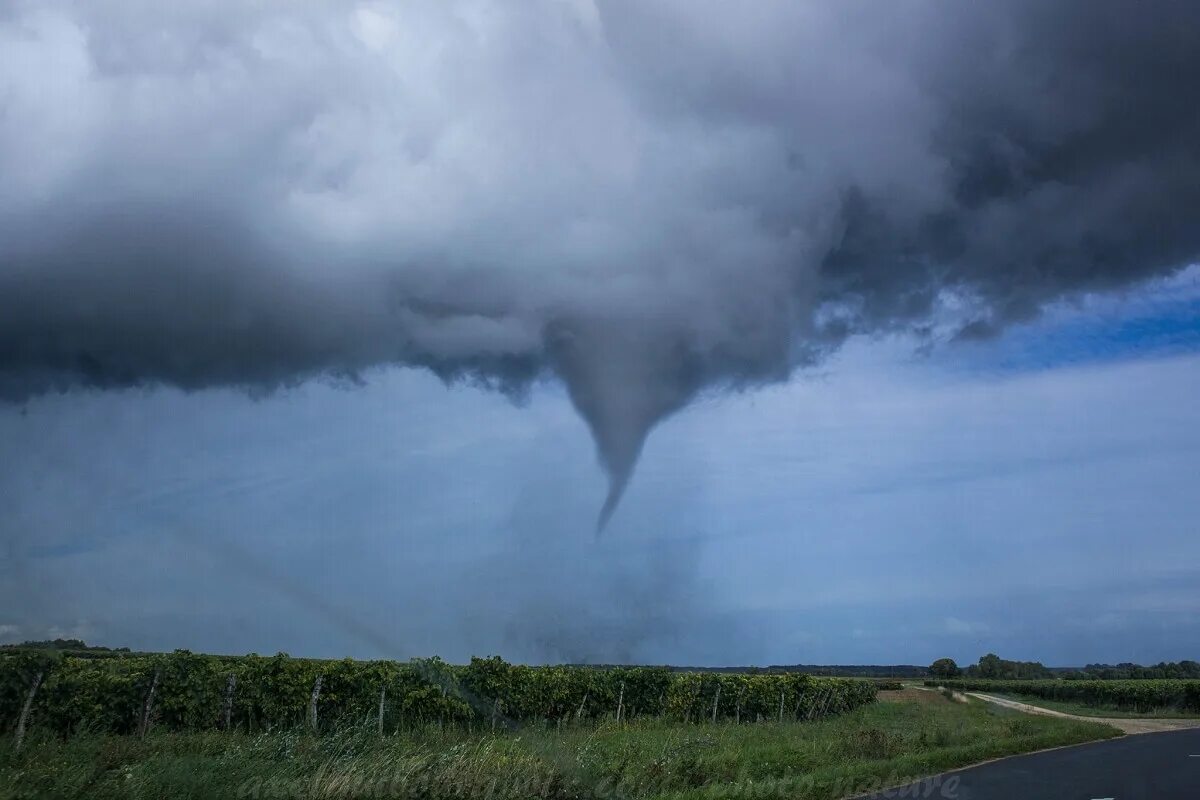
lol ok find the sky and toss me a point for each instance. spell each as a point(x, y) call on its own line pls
point(595, 330)
point(892, 507)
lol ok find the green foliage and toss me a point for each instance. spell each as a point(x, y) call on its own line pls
point(944, 668)
point(17, 673)
point(993, 667)
point(1163, 669)
point(1131, 695)
point(273, 693)
point(872, 747)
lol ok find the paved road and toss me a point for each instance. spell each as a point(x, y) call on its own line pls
point(1152, 766)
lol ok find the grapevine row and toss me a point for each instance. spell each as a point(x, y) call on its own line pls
point(1130, 695)
point(186, 691)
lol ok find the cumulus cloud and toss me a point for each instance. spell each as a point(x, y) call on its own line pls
point(644, 200)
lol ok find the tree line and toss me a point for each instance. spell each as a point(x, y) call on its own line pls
point(992, 667)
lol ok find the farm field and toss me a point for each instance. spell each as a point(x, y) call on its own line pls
point(1103, 698)
point(903, 735)
point(1084, 710)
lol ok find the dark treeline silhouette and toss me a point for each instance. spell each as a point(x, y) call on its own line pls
point(989, 666)
point(992, 667)
point(74, 647)
point(1163, 669)
point(823, 670)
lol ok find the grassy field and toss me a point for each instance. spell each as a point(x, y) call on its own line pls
point(905, 735)
point(1084, 710)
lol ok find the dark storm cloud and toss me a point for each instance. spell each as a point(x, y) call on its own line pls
point(643, 199)
point(1071, 152)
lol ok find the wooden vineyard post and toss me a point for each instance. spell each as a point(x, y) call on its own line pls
point(312, 702)
point(495, 713)
point(812, 711)
point(227, 708)
point(716, 700)
point(737, 716)
point(582, 705)
point(442, 712)
point(621, 703)
point(781, 705)
point(148, 706)
point(37, 682)
point(382, 700)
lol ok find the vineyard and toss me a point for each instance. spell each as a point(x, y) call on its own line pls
point(183, 691)
point(1127, 695)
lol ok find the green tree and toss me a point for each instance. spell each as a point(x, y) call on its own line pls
point(944, 668)
point(991, 666)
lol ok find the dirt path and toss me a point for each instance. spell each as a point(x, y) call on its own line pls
point(1126, 724)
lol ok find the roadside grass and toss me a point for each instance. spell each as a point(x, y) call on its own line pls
point(892, 741)
point(1084, 710)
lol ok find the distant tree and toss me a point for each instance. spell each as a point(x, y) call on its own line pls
point(993, 666)
point(944, 668)
point(990, 666)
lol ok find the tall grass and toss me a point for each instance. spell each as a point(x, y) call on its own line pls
point(874, 745)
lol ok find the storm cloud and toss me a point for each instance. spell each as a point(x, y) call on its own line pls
point(643, 200)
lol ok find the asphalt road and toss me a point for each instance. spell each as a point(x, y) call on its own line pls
point(1149, 766)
